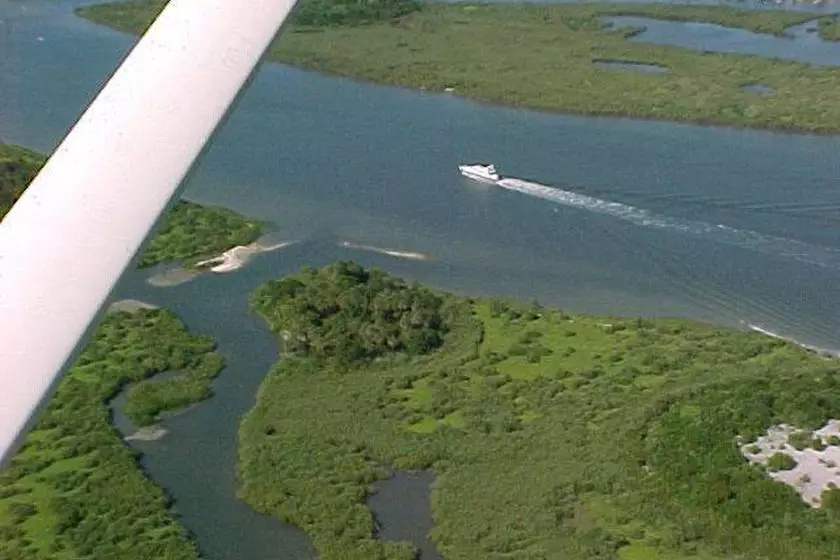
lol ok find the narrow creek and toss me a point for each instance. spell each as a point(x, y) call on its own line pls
point(397, 187)
point(195, 459)
point(800, 43)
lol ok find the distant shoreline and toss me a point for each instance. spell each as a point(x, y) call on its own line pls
point(439, 48)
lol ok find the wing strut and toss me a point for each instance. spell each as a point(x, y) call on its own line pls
point(67, 241)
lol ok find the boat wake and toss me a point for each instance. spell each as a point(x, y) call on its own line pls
point(746, 239)
point(384, 251)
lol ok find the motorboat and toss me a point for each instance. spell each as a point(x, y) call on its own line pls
point(480, 172)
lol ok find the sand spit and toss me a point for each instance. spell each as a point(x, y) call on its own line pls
point(130, 305)
point(384, 251)
point(815, 470)
point(147, 433)
point(237, 257)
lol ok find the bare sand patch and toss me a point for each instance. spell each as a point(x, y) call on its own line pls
point(237, 257)
point(815, 470)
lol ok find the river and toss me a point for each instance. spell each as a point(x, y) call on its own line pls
point(331, 160)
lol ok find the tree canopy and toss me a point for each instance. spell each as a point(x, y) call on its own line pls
point(348, 314)
point(321, 13)
point(18, 166)
point(187, 231)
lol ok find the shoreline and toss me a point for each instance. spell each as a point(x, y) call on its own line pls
point(822, 352)
point(569, 112)
point(312, 56)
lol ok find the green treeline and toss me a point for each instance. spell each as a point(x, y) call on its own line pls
point(348, 314)
point(74, 491)
point(191, 231)
point(138, 15)
point(187, 230)
point(18, 166)
point(540, 56)
point(552, 435)
point(321, 13)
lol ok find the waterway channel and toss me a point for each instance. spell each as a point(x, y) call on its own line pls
point(331, 160)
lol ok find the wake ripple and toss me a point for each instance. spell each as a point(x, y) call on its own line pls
point(746, 239)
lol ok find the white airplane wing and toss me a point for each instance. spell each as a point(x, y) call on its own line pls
point(67, 241)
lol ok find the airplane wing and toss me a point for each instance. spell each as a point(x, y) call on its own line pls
point(67, 241)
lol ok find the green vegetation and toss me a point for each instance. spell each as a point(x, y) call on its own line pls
point(137, 16)
point(830, 28)
point(781, 462)
point(540, 56)
point(18, 166)
point(321, 13)
point(830, 501)
point(74, 491)
point(347, 314)
point(187, 231)
point(800, 440)
point(620, 441)
point(192, 231)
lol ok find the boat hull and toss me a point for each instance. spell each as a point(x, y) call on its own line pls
point(470, 174)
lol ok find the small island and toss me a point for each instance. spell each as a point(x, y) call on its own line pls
point(75, 490)
point(551, 434)
point(188, 231)
point(540, 56)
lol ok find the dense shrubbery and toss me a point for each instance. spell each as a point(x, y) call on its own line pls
point(18, 166)
point(74, 491)
point(627, 443)
point(136, 16)
point(830, 28)
point(346, 313)
point(320, 13)
point(188, 230)
point(540, 56)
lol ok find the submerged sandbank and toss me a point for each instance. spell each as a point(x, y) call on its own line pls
point(172, 277)
point(130, 305)
point(147, 433)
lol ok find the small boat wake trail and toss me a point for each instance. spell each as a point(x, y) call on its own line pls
point(769, 244)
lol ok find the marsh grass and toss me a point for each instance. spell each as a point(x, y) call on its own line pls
point(619, 440)
point(75, 490)
point(539, 56)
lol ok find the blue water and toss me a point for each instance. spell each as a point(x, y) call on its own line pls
point(331, 160)
point(799, 44)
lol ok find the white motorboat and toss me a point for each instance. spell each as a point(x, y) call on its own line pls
point(480, 172)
